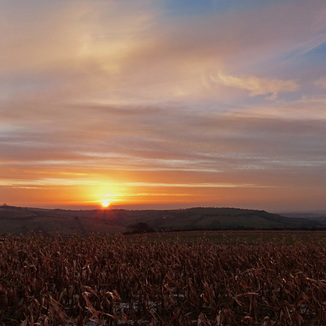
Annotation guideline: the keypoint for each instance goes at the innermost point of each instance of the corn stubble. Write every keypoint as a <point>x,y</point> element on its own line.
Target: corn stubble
<point>103,280</point>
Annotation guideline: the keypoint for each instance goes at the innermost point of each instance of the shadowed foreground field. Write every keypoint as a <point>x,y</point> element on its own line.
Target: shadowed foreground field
<point>173,279</point>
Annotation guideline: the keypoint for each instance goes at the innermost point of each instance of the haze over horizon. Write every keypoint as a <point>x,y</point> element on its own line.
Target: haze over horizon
<point>163,104</point>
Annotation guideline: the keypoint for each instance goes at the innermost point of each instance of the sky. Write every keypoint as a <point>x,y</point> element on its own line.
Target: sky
<point>163,104</point>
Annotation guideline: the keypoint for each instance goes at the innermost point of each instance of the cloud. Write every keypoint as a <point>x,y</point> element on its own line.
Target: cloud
<point>259,86</point>
<point>106,50</point>
<point>126,91</point>
<point>137,53</point>
<point>321,82</point>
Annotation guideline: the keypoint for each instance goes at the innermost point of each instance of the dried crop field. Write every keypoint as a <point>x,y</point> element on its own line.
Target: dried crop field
<point>105,280</point>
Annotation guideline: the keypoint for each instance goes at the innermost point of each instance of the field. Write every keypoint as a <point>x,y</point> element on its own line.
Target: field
<point>183,278</point>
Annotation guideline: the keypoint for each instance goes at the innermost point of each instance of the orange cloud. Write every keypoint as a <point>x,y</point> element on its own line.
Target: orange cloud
<point>259,86</point>
<point>97,94</point>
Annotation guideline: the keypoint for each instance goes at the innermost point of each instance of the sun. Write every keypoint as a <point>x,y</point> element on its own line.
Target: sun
<point>105,203</point>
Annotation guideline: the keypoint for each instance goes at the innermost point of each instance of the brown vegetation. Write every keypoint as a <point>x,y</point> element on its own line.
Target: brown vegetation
<point>103,280</point>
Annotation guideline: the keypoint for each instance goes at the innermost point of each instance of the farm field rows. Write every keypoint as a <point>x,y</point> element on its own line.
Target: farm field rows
<point>183,278</point>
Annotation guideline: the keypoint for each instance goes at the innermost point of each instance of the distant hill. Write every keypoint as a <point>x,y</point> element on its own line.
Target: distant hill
<point>203,218</point>
<point>307,215</point>
<point>24,220</point>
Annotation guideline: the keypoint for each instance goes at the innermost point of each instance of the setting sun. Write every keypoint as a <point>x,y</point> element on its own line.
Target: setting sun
<point>181,104</point>
<point>105,203</point>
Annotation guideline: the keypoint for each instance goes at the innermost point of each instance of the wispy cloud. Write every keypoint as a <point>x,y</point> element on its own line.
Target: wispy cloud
<point>106,92</point>
<point>259,86</point>
<point>321,82</point>
<point>191,185</point>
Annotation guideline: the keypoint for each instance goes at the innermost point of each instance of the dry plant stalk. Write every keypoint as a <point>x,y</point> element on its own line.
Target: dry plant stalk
<point>105,280</point>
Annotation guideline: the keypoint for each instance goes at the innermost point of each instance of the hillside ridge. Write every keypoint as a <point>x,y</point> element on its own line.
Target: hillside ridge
<point>24,219</point>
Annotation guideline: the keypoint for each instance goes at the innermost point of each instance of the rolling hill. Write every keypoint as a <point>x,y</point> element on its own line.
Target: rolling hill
<point>23,220</point>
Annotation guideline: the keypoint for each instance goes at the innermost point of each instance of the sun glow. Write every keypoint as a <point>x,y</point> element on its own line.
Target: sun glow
<point>105,203</point>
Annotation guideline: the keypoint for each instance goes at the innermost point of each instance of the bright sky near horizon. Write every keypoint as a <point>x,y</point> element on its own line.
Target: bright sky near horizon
<point>163,103</point>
